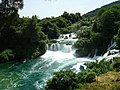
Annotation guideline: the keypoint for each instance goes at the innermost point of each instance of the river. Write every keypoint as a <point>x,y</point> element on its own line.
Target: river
<point>32,74</point>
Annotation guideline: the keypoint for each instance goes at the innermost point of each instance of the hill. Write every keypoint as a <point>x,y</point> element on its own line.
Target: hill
<point>94,12</point>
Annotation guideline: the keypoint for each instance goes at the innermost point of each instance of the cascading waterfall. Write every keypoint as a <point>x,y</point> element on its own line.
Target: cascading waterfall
<point>67,48</point>
<point>60,47</point>
<point>53,47</point>
<point>112,45</point>
<point>110,54</point>
<point>95,53</point>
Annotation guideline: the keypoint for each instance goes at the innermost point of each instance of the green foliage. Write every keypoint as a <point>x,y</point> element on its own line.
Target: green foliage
<point>50,29</point>
<point>6,55</point>
<point>90,77</point>
<point>100,12</point>
<point>108,19</point>
<point>60,22</point>
<point>72,17</point>
<point>24,37</point>
<point>117,39</point>
<point>86,77</point>
<point>83,46</point>
<point>74,27</point>
<point>53,27</point>
<point>8,7</point>
<point>116,65</point>
<point>100,67</point>
<point>63,80</point>
<point>101,29</point>
<point>67,80</point>
<point>31,41</point>
<point>85,32</point>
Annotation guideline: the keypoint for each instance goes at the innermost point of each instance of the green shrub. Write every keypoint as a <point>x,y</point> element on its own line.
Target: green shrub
<point>81,77</point>
<point>83,46</point>
<point>86,77</point>
<point>90,77</point>
<point>6,55</point>
<point>116,65</point>
<point>63,80</point>
<point>100,67</point>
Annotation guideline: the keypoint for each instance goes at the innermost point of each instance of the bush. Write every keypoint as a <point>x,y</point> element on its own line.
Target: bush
<point>6,55</point>
<point>90,77</point>
<point>83,46</point>
<point>116,65</point>
<point>86,77</point>
<point>100,67</point>
<point>63,80</point>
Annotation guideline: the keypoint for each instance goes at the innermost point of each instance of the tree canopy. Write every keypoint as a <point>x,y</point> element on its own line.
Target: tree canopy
<point>103,29</point>
<point>7,7</point>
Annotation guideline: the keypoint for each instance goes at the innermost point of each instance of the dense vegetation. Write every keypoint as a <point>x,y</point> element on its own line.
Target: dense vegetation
<point>67,80</point>
<point>20,38</point>
<point>103,29</point>
<point>26,38</point>
<point>53,27</point>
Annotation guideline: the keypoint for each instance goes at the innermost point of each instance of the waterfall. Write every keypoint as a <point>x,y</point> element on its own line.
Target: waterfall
<point>67,48</point>
<point>110,52</point>
<point>112,44</point>
<point>59,47</point>
<point>65,43</point>
<point>53,47</point>
<point>95,53</point>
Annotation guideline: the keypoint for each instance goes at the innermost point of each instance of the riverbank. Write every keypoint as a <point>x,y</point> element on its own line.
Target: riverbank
<point>99,75</point>
<point>107,81</point>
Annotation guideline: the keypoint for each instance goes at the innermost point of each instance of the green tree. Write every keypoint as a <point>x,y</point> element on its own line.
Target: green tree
<point>103,30</point>
<point>6,55</point>
<point>61,22</point>
<point>7,7</point>
<point>86,77</point>
<point>100,67</point>
<point>117,39</point>
<point>32,40</point>
<point>50,29</point>
<point>63,80</point>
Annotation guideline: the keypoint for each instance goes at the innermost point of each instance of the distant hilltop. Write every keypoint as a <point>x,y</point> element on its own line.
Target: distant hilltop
<point>94,12</point>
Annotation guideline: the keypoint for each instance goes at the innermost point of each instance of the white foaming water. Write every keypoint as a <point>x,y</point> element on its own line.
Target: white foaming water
<point>109,55</point>
<point>59,60</point>
<point>60,47</point>
<point>60,56</point>
<point>112,45</point>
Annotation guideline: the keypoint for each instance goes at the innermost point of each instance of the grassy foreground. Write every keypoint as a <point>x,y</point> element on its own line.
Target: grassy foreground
<point>107,81</point>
